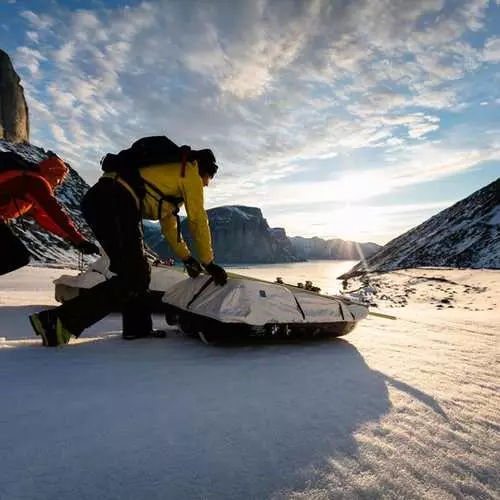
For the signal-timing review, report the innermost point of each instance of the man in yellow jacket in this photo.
(114, 208)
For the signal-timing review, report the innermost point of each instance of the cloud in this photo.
(30, 59)
(271, 86)
(491, 52)
(38, 22)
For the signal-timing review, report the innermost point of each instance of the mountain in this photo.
(239, 234)
(45, 247)
(466, 234)
(14, 118)
(242, 235)
(318, 248)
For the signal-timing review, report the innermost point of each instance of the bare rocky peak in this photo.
(465, 235)
(14, 117)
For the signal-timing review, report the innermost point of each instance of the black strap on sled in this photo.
(299, 307)
(200, 291)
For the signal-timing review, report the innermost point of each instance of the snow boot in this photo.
(48, 326)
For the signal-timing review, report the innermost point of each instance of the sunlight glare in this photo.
(360, 186)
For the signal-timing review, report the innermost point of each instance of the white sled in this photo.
(244, 307)
(247, 307)
(68, 287)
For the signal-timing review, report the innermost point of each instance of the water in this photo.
(322, 273)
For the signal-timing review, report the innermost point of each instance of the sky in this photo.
(356, 119)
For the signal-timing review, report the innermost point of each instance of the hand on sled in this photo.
(193, 267)
(218, 273)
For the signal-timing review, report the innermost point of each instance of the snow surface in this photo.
(398, 409)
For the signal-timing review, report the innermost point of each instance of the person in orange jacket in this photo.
(31, 193)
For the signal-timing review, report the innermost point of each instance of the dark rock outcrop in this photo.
(239, 235)
(466, 234)
(14, 118)
(318, 248)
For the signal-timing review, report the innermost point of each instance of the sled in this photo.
(248, 307)
(244, 308)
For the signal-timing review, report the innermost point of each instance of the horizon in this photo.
(352, 120)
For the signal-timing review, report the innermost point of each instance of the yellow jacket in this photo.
(167, 179)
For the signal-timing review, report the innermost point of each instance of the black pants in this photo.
(14, 254)
(112, 213)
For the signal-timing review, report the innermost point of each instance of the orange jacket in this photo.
(28, 193)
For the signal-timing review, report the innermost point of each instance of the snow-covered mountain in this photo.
(466, 234)
(45, 247)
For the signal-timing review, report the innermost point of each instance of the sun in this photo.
(353, 188)
(354, 222)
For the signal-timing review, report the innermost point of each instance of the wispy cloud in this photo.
(271, 86)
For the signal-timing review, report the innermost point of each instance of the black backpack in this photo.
(13, 161)
(143, 153)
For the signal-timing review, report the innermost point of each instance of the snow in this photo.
(397, 409)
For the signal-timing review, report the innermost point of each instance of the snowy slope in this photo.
(404, 409)
(45, 247)
(465, 235)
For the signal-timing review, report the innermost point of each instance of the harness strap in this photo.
(159, 196)
(174, 200)
(185, 150)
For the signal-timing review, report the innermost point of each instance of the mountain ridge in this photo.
(467, 234)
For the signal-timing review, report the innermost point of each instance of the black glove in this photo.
(193, 267)
(88, 248)
(218, 273)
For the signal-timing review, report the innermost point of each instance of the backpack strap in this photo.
(185, 151)
(174, 200)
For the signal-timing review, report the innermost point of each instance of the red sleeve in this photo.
(48, 212)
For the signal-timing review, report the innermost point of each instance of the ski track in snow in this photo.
(397, 409)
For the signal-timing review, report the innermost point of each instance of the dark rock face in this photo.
(318, 248)
(14, 118)
(466, 234)
(241, 234)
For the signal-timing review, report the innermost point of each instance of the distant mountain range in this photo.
(466, 234)
(241, 234)
(318, 248)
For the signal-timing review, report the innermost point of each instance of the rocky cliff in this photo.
(14, 118)
(318, 248)
(239, 235)
(466, 234)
